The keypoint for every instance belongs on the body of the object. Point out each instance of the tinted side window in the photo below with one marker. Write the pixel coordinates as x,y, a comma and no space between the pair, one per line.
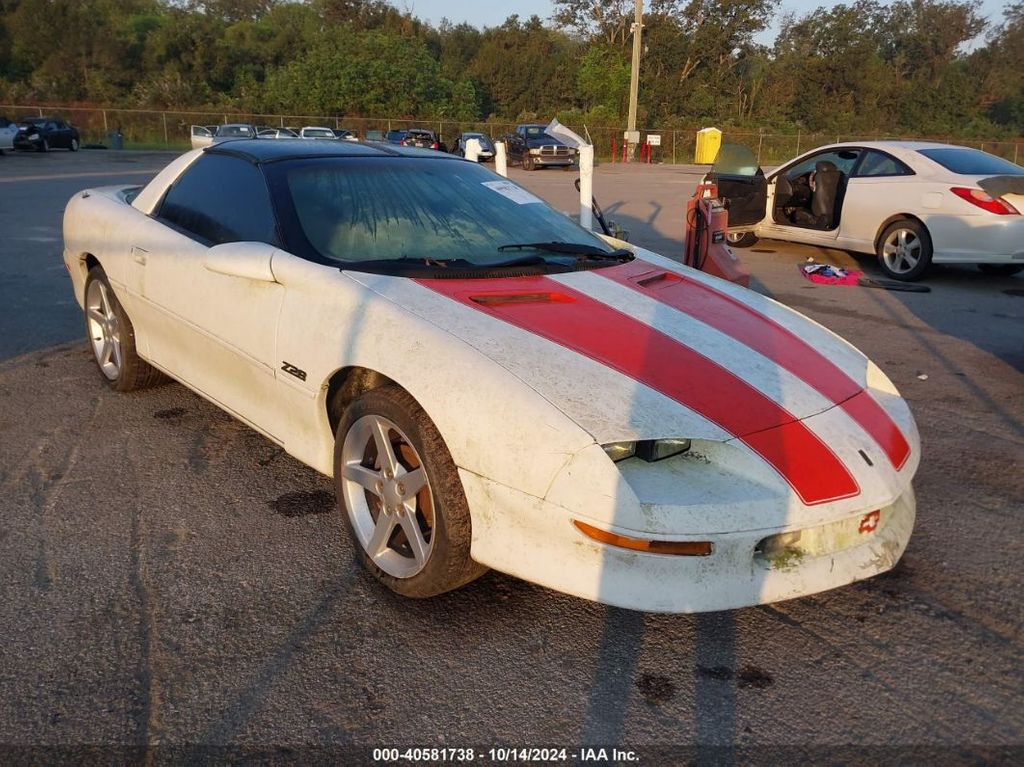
881,164
221,199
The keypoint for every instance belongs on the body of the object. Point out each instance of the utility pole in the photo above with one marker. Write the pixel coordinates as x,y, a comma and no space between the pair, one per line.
632,135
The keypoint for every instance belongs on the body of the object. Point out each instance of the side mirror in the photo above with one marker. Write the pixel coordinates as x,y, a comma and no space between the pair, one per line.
248,260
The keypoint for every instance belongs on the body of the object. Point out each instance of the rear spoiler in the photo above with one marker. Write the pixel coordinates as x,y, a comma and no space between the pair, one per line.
997,186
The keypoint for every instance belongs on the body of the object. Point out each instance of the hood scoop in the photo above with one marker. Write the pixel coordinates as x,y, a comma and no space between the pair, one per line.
503,298
658,280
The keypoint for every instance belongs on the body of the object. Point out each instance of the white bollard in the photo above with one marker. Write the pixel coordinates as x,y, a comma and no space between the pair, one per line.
473,150
586,162
500,159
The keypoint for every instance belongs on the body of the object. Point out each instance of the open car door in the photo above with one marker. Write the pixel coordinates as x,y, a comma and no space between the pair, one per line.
201,137
741,185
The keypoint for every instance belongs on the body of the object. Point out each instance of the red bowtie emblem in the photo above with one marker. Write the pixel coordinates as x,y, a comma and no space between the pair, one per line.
870,522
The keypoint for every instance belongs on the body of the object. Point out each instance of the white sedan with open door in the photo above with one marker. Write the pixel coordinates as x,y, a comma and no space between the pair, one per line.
910,203
491,385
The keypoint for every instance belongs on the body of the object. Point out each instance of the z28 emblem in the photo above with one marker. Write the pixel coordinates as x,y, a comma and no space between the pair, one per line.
289,368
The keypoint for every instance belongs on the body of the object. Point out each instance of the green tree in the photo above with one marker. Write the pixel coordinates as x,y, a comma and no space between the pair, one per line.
526,67
603,79
356,73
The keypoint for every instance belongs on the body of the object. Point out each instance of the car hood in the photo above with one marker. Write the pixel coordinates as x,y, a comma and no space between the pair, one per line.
647,349
545,140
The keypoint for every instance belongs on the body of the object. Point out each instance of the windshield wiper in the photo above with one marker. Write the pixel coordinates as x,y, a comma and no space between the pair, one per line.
572,249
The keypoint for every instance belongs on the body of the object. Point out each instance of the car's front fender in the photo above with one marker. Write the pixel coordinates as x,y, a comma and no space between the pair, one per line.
493,424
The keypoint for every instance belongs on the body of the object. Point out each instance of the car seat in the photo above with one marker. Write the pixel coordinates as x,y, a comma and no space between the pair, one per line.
826,190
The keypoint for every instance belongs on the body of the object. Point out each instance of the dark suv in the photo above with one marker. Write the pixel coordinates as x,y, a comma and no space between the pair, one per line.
424,139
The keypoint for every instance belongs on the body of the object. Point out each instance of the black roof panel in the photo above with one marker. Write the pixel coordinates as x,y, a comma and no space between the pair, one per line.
274,150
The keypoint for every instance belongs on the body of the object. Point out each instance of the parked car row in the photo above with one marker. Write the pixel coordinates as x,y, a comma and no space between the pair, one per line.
529,146
206,135
38,134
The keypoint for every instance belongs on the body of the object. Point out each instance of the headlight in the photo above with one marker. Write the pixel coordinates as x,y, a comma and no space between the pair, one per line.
648,449
878,380
535,151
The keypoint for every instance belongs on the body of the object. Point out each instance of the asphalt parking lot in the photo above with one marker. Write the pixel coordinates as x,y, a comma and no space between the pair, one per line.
168,576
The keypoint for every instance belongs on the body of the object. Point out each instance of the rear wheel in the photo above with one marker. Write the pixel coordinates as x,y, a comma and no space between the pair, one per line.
112,337
741,239
1001,270
905,250
400,492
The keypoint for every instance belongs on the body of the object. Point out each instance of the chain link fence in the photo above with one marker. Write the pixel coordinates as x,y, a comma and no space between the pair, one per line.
151,129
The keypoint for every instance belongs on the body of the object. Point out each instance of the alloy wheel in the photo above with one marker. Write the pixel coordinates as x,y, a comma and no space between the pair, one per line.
902,250
388,496
104,329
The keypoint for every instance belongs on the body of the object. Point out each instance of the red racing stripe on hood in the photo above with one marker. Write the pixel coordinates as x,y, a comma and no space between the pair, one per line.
777,343
578,322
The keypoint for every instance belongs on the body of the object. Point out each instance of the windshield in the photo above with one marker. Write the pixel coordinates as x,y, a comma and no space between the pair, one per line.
534,131
318,133
378,209
972,162
735,160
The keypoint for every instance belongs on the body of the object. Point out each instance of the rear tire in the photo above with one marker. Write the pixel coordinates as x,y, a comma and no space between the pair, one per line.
112,338
904,250
1001,270
401,496
741,239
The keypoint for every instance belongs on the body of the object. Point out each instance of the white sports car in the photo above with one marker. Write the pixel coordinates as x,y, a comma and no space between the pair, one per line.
492,386
911,203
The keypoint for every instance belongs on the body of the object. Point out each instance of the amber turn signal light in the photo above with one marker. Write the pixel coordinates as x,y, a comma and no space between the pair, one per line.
676,548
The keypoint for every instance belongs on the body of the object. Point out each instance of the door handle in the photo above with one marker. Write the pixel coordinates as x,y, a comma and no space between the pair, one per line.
139,255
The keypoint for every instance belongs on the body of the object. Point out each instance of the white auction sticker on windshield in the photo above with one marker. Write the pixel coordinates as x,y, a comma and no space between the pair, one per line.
515,193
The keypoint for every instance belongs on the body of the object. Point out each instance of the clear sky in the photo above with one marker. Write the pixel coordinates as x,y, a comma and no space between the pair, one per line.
483,14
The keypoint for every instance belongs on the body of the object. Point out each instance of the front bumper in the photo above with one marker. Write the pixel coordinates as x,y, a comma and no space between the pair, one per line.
28,142
540,159
535,540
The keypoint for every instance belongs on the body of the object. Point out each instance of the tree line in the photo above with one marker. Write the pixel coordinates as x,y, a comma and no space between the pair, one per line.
903,67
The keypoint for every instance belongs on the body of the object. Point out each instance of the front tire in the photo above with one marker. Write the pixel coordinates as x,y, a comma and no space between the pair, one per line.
528,163
44,146
112,337
399,490
74,145
1001,270
741,239
904,250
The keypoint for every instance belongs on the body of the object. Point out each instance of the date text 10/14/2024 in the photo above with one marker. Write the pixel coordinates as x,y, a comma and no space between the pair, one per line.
504,754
